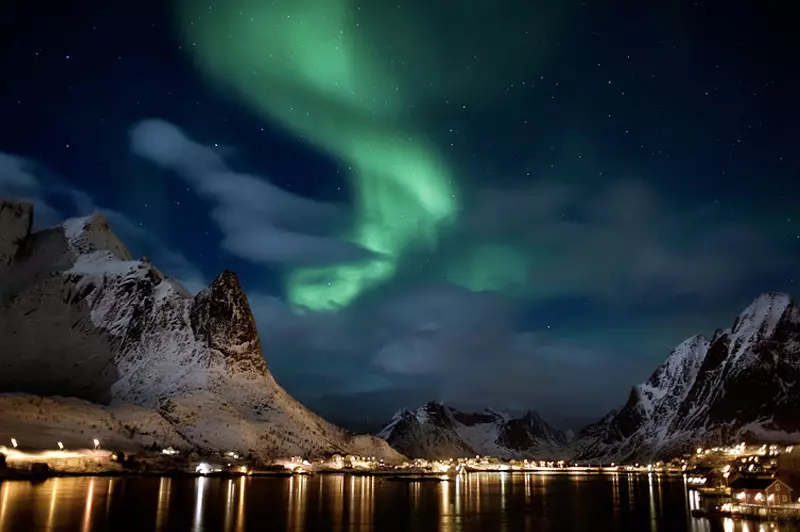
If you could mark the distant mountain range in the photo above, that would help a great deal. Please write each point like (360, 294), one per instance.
(436, 430)
(99, 342)
(742, 384)
(79, 317)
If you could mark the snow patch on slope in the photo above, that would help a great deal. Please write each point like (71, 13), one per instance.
(436, 430)
(193, 362)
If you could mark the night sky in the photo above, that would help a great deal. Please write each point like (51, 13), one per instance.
(517, 204)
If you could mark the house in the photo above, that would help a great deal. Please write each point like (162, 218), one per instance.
(762, 491)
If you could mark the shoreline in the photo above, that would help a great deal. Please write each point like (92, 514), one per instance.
(22, 474)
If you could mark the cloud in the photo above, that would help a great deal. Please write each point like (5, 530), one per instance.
(622, 273)
(19, 180)
(259, 221)
(436, 341)
(620, 242)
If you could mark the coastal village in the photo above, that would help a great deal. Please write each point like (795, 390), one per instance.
(745, 481)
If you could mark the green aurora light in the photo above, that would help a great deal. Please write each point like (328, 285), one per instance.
(337, 82)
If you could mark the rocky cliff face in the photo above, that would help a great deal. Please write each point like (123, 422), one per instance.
(742, 384)
(17, 220)
(436, 430)
(80, 318)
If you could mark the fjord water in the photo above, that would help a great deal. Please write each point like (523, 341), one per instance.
(490, 501)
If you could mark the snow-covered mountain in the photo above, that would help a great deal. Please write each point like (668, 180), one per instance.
(436, 430)
(79, 317)
(742, 384)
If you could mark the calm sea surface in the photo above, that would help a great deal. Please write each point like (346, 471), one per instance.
(498, 502)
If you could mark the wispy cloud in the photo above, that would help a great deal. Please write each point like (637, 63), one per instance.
(621, 241)
(259, 221)
(19, 179)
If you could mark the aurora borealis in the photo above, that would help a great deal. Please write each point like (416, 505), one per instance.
(315, 67)
(518, 204)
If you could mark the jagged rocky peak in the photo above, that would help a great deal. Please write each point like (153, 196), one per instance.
(762, 315)
(742, 384)
(93, 233)
(80, 318)
(529, 431)
(438, 430)
(435, 412)
(221, 318)
(16, 220)
(680, 369)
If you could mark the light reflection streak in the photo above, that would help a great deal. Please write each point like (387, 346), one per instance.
(87, 511)
(297, 502)
(319, 499)
(459, 489)
(352, 499)
(503, 481)
(445, 516)
(198, 507)
(5, 488)
(51, 514)
(109, 493)
(229, 504)
(631, 496)
(163, 502)
(367, 502)
(660, 493)
(338, 502)
(527, 488)
(240, 509)
(653, 522)
(478, 494)
(615, 492)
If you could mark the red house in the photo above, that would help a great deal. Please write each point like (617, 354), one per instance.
(762, 491)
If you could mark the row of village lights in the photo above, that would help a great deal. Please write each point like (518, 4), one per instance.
(95, 441)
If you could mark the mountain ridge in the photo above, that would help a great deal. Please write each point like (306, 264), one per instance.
(437, 430)
(712, 392)
(83, 319)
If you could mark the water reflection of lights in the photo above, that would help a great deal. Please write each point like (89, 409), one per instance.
(414, 487)
(229, 494)
(352, 500)
(297, 502)
(527, 488)
(445, 515)
(503, 481)
(51, 514)
(240, 511)
(367, 501)
(459, 488)
(5, 488)
(87, 511)
(198, 506)
(337, 503)
(615, 491)
(694, 500)
(653, 522)
(163, 502)
(631, 496)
